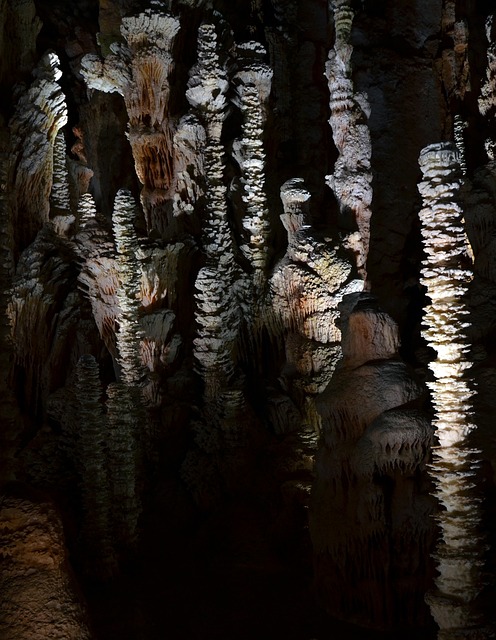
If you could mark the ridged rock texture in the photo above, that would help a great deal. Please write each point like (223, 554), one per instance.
(460, 551)
(245, 366)
(352, 175)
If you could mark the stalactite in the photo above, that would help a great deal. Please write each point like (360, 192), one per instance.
(140, 71)
(217, 312)
(459, 553)
(129, 335)
(94, 481)
(252, 86)
(352, 176)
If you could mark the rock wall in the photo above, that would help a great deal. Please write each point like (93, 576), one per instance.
(213, 288)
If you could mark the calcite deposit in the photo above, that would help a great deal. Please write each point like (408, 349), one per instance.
(239, 351)
(459, 554)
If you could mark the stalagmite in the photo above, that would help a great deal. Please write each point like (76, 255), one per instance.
(487, 99)
(307, 287)
(94, 481)
(98, 277)
(129, 335)
(217, 313)
(445, 273)
(8, 411)
(60, 199)
(252, 86)
(124, 426)
(352, 176)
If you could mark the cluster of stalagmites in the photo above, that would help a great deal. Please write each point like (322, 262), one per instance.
(459, 553)
(352, 176)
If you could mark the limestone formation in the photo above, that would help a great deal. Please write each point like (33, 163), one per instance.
(371, 452)
(40, 112)
(124, 426)
(42, 309)
(453, 64)
(352, 175)
(459, 553)
(217, 313)
(37, 595)
(94, 481)
(263, 423)
(139, 71)
(98, 278)
(487, 99)
(252, 86)
(306, 288)
(129, 334)
(189, 144)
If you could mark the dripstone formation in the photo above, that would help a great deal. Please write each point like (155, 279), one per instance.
(247, 365)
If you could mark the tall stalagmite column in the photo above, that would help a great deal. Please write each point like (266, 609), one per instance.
(352, 176)
(253, 84)
(217, 308)
(460, 548)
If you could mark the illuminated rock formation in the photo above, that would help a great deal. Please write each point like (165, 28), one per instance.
(459, 553)
(217, 313)
(252, 85)
(240, 358)
(306, 288)
(140, 71)
(40, 112)
(189, 144)
(60, 199)
(129, 335)
(352, 175)
(453, 65)
(37, 596)
(98, 278)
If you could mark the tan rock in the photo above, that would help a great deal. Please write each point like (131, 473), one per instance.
(37, 594)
